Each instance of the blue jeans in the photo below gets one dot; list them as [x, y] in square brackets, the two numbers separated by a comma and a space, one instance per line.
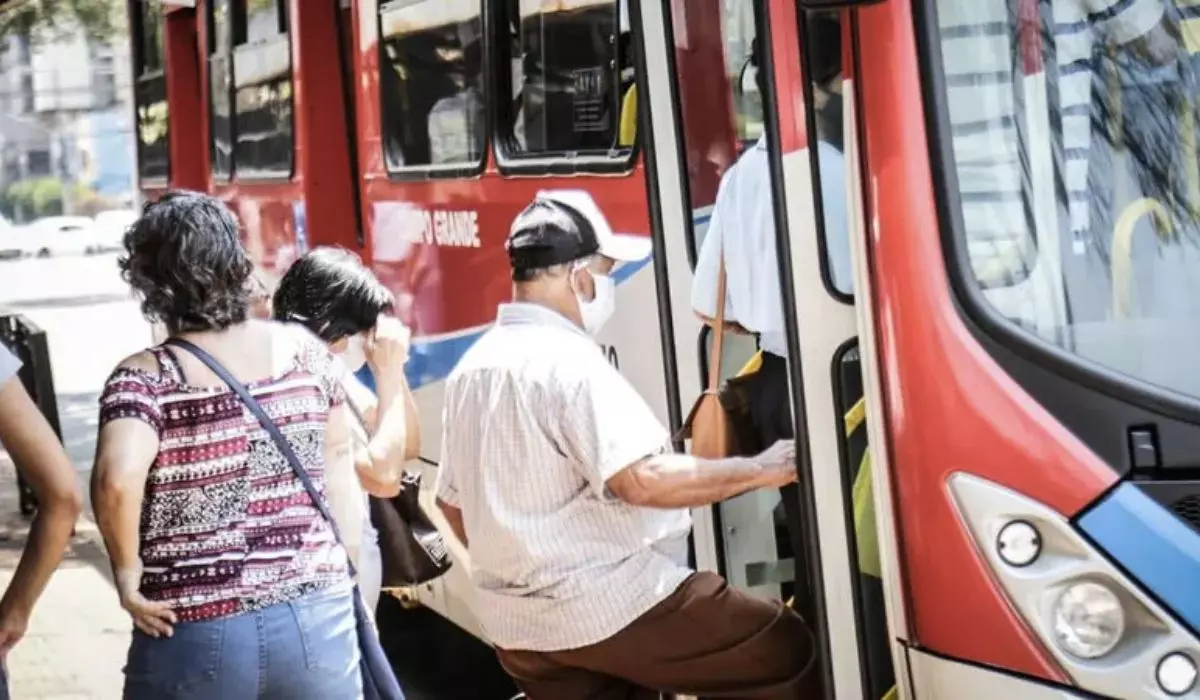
[300, 650]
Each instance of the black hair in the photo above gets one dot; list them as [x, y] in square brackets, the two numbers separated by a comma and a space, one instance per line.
[760, 75]
[824, 40]
[185, 260]
[472, 59]
[330, 292]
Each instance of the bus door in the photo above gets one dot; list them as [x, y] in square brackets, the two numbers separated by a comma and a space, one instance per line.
[1032, 239]
[789, 138]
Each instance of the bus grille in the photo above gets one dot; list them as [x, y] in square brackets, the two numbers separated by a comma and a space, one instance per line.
[1188, 508]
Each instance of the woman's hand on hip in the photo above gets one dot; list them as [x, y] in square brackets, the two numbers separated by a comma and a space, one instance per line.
[13, 623]
[153, 618]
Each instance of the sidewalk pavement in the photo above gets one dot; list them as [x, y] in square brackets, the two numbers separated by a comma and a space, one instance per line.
[78, 635]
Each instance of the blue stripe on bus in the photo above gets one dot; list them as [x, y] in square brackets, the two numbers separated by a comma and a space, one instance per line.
[432, 360]
[1159, 551]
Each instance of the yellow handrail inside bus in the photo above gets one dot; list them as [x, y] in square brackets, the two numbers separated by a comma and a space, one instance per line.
[865, 534]
[1186, 126]
[1122, 248]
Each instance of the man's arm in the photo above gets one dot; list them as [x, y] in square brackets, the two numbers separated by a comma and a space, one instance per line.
[446, 486]
[42, 461]
[454, 518]
[613, 437]
[683, 481]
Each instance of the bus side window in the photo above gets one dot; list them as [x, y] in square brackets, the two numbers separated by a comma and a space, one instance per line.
[262, 81]
[824, 48]
[150, 91]
[573, 80]
[431, 80]
[721, 108]
[220, 88]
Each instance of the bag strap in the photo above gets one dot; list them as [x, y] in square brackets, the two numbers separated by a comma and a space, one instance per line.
[281, 442]
[714, 362]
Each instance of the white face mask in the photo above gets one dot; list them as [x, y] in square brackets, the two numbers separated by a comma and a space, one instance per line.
[596, 312]
[355, 354]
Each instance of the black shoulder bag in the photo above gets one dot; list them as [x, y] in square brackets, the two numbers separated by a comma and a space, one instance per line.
[378, 679]
[411, 549]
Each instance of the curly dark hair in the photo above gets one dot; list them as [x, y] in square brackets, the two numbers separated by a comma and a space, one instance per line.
[184, 258]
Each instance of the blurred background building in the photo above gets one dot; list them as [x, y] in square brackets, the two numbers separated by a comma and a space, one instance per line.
[66, 135]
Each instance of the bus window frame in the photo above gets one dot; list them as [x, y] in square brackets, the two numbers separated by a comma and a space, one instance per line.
[511, 161]
[141, 75]
[241, 45]
[772, 131]
[968, 294]
[210, 51]
[431, 171]
[680, 145]
[845, 25]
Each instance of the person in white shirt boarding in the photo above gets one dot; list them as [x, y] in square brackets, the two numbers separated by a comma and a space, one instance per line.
[740, 243]
[561, 482]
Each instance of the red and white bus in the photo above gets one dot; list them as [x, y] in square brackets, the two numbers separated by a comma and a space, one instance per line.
[1021, 183]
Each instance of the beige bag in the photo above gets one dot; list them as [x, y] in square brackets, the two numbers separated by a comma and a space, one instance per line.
[719, 423]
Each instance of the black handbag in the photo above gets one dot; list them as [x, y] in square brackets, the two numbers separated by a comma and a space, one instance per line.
[410, 546]
[411, 549]
[378, 679]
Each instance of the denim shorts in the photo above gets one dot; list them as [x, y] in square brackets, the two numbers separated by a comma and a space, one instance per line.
[299, 650]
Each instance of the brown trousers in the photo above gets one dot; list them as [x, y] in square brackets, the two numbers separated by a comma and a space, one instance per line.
[706, 639]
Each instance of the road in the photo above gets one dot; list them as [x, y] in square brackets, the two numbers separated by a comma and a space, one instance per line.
[91, 322]
[77, 638]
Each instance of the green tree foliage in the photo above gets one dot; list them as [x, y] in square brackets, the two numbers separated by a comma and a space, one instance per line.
[33, 198]
[46, 20]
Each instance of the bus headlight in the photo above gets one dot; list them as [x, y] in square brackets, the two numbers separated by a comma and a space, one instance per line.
[1088, 620]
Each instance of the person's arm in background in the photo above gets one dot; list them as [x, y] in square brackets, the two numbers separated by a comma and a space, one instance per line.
[130, 421]
[395, 432]
[37, 453]
[343, 493]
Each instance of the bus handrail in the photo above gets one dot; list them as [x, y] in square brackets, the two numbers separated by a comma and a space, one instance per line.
[1122, 249]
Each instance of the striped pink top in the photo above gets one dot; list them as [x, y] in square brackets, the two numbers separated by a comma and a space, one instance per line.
[226, 526]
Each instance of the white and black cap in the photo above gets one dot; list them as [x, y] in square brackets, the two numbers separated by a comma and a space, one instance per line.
[561, 226]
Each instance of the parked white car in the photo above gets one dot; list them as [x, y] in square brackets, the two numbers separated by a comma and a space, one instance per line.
[109, 231]
[14, 244]
[60, 235]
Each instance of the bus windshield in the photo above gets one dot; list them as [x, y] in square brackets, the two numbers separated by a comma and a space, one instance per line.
[1073, 137]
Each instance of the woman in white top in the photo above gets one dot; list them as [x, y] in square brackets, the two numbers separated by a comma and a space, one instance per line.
[331, 293]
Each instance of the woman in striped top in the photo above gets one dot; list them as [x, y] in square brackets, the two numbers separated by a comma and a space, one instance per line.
[236, 585]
